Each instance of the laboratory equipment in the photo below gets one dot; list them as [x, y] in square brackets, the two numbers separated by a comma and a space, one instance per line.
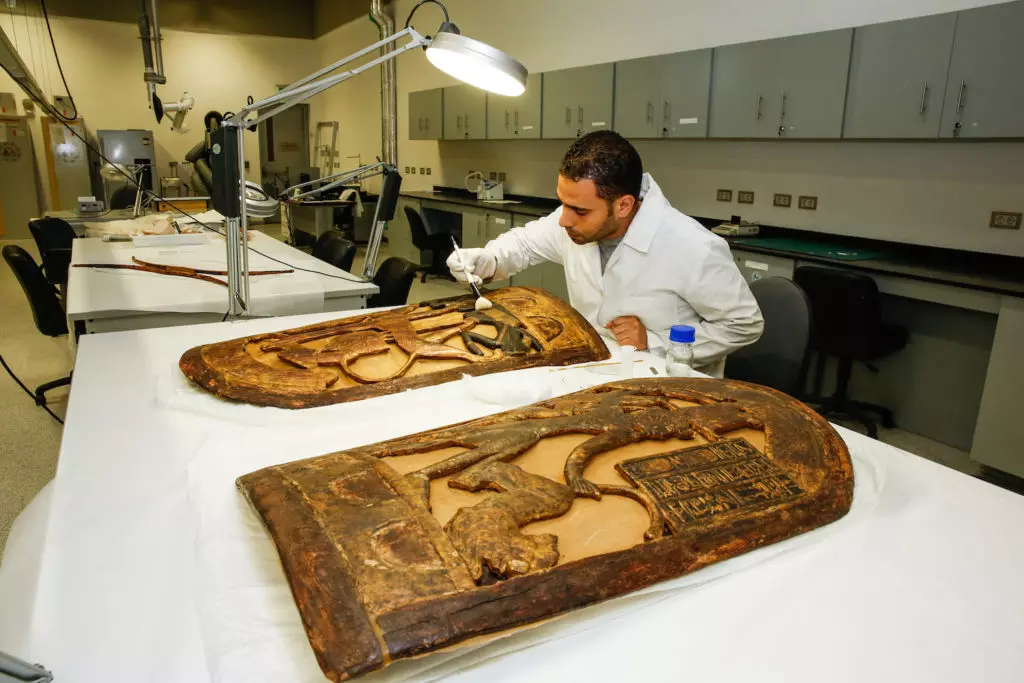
[127, 148]
[466, 59]
[679, 357]
[736, 227]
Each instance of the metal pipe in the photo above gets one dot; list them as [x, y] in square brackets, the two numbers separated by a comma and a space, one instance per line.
[158, 51]
[385, 21]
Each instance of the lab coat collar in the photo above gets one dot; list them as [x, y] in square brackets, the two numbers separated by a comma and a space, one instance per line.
[645, 223]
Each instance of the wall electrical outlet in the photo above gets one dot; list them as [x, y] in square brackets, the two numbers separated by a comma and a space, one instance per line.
[407, 170]
[745, 197]
[412, 171]
[724, 195]
[783, 200]
[1006, 220]
[809, 203]
[423, 171]
[501, 176]
[428, 170]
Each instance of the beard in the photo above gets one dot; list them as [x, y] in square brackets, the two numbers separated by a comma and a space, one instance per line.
[606, 229]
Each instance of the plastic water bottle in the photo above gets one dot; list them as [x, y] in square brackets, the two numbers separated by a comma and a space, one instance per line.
[679, 357]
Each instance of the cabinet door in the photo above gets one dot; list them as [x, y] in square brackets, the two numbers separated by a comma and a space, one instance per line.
[638, 85]
[898, 78]
[557, 106]
[985, 91]
[465, 113]
[534, 275]
[474, 228]
[685, 95]
[744, 83]
[425, 108]
[578, 100]
[515, 117]
[496, 224]
[813, 73]
[595, 97]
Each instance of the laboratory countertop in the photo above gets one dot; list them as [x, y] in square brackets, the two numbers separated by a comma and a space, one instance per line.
[513, 203]
[988, 272]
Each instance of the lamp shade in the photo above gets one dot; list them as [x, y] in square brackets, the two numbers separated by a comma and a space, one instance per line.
[477, 64]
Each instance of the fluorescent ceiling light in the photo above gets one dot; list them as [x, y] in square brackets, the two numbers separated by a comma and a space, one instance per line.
[477, 64]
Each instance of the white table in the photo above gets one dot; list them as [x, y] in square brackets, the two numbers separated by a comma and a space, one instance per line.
[98, 580]
[113, 300]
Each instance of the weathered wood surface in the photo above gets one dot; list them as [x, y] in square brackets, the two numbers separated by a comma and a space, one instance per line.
[379, 571]
[390, 351]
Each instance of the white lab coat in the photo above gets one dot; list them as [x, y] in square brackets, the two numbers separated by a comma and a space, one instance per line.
[667, 270]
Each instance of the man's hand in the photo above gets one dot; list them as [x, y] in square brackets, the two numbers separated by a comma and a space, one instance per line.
[628, 330]
[480, 265]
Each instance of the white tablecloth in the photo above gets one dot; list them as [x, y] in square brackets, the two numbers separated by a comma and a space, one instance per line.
[922, 585]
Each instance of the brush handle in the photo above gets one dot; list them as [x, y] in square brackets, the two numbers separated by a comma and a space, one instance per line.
[458, 252]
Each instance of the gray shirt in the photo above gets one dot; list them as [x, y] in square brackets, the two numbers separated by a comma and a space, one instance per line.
[607, 248]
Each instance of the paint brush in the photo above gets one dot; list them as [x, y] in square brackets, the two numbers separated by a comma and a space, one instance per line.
[482, 304]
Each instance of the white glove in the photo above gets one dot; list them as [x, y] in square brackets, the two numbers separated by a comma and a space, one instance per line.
[480, 265]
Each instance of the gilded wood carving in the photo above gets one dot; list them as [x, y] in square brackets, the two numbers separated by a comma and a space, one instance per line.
[416, 544]
[389, 351]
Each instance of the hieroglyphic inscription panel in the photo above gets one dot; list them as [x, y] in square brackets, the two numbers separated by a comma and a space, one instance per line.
[712, 479]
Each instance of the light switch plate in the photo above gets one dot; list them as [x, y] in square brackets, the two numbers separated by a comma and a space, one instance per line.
[783, 200]
[725, 195]
[808, 203]
[745, 197]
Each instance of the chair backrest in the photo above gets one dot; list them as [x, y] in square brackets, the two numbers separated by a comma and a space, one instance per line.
[333, 248]
[394, 277]
[42, 297]
[778, 358]
[420, 238]
[54, 238]
[845, 307]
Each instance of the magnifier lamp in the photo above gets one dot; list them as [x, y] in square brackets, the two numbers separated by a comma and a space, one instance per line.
[463, 58]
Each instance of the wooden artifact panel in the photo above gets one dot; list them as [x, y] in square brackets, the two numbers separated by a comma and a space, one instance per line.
[390, 351]
[416, 544]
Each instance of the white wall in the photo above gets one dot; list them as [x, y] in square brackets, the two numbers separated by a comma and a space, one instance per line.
[103, 65]
[934, 193]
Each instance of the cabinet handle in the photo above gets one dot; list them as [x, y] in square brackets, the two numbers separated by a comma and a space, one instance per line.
[458, 122]
[465, 120]
[782, 107]
[650, 112]
[924, 98]
[420, 123]
[579, 116]
[517, 119]
[568, 116]
[427, 124]
[506, 118]
[666, 110]
[960, 98]
[757, 110]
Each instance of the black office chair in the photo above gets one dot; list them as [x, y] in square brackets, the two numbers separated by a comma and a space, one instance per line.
[439, 245]
[54, 238]
[333, 248]
[394, 277]
[42, 299]
[779, 358]
[847, 324]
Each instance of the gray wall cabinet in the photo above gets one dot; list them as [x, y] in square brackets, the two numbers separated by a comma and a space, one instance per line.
[510, 118]
[663, 96]
[898, 78]
[789, 87]
[465, 113]
[426, 112]
[985, 90]
[578, 101]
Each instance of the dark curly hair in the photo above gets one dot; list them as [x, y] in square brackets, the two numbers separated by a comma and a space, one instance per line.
[609, 160]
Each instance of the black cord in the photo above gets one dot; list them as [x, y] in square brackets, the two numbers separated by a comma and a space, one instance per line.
[28, 391]
[46, 107]
[424, 2]
[56, 57]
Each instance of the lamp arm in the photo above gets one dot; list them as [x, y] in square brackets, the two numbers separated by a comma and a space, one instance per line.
[337, 179]
[310, 85]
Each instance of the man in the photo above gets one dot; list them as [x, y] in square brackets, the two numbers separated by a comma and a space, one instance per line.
[634, 265]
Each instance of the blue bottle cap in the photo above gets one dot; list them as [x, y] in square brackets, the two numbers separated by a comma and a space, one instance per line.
[683, 333]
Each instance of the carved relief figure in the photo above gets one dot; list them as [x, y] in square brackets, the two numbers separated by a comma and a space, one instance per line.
[421, 542]
[381, 353]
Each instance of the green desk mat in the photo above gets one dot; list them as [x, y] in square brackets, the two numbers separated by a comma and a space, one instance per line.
[810, 248]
